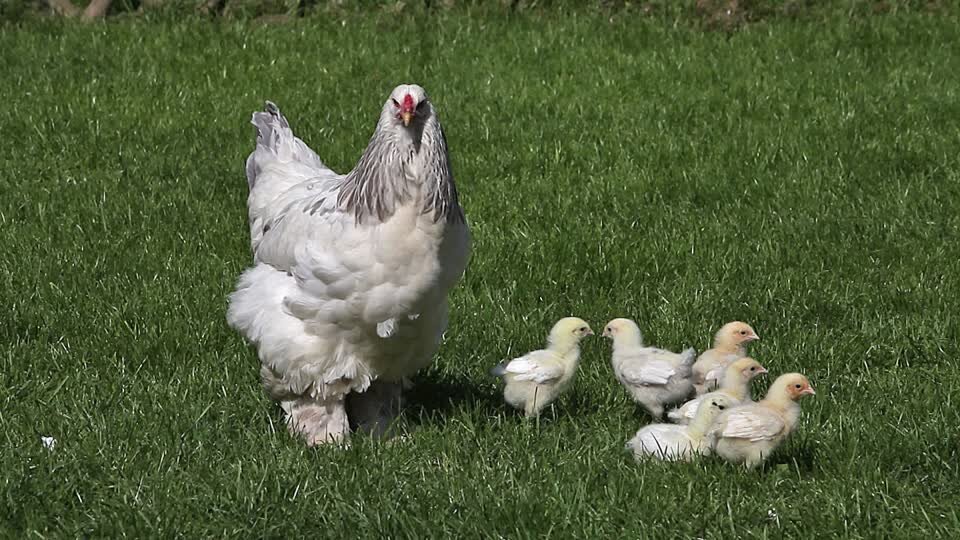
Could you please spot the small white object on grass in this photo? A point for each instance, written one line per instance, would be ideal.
(48, 442)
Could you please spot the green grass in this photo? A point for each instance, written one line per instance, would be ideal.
(803, 176)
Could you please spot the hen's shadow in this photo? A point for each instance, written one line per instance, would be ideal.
(434, 399)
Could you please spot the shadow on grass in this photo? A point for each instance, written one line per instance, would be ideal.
(797, 457)
(433, 399)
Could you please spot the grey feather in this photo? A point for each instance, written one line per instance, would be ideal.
(378, 185)
(688, 357)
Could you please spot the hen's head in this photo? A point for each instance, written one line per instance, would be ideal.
(408, 105)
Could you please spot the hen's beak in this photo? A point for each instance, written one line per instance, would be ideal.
(407, 117)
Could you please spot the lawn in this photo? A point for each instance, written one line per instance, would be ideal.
(802, 175)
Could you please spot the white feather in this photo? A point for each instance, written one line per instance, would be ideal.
(754, 424)
(537, 366)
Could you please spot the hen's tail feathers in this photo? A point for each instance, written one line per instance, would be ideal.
(499, 370)
(275, 140)
(270, 126)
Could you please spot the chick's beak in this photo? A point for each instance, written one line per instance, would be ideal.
(589, 331)
(809, 391)
(753, 337)
(761, 370)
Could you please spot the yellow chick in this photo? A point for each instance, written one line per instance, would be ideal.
(535, 379)
(653, 377)
(749, 433)
(671, 442)
(736, 385)
(729, 344)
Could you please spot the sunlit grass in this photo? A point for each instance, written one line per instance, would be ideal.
(800, 176)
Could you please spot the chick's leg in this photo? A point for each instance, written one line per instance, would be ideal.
(753, 459)
(375, 410)
(318, 421)
(535, 401)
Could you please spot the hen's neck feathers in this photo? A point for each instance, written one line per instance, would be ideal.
(381, 181)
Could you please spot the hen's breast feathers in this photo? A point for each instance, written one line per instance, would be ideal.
(393, 264)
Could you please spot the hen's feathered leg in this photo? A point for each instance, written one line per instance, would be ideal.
(318, 421)
(375, 410)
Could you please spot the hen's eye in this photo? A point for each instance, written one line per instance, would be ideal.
(395, 103)
(721, 407)
(421, 105)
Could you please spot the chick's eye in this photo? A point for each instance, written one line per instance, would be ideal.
(583, 328)
(753, 369)
(797, 386)
(743, 332)
(721, 407)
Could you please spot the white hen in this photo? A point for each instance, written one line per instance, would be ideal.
(348, 295)
(671, 442)
(653, 377)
